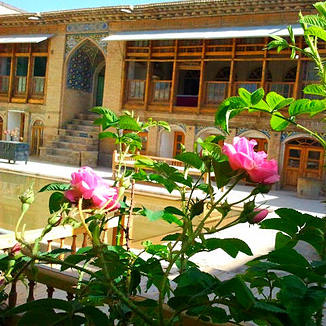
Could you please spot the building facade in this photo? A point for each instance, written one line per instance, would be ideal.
(173, 61)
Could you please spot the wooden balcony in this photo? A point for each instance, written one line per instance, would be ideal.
(161, 91)
(135, 90)
(38, 84)
(20, 84)
(283, 88)
(4, 85)
(215, 92)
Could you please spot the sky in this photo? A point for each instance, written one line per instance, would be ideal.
(50, 5)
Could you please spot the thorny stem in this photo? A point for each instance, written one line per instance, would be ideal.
(127, 230)
(81, 215)
(185, 247)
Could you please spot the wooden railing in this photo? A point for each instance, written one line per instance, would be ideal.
(283, 88)
(38, 86)
(215, 92)
(161, 91)
(20, 85)
(4, 84)
(135, 90)
(130, 162)
(59, 237)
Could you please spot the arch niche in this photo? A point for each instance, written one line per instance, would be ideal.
(85, 67)
(37, 137)
(170, 142)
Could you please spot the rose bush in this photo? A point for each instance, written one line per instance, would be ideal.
(86, 184)
(242, 156)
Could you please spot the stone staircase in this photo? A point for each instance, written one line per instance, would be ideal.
(76, 144)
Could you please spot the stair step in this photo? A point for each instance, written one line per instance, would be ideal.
(83, 122)
(59, 159)
(73, 146)
(78, 133)
(88, 116)
(92, 128)
(78, 140)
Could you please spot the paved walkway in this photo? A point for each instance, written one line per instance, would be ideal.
(260, 241)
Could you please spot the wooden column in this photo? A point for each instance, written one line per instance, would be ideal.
(12, 73)
(297, 83)
(264, 68)
(174, 76)
(231, 79)
(29, 73)
(201, 78)
(148, 78)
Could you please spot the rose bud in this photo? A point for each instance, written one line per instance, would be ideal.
(260, 214)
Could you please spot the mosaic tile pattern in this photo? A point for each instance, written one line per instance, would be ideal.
(74, 39)
(87, 27)
(80, 72)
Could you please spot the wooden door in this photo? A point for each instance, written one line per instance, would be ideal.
(303, 158)
(179, 140)
(37, 137)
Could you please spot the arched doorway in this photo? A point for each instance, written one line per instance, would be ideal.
(84, 87)
(171, 142)
(303, 157)
(37, 137)
(99, 88)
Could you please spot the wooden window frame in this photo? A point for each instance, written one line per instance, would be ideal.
(27, 97)
(231, 53)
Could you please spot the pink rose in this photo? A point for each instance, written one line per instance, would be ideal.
(87, 185)
(243, 157)
(260, 215)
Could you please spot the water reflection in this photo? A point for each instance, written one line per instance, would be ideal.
(11, 186)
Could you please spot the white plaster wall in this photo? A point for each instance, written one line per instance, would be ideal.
(166, 144)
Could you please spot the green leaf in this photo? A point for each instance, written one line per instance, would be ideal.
(128, 123)
(231, 246)
(237, 286)
(314, 20)
(170, 218)
(172, 237)
(56, 186)
(273, 99)
(315, 89)
(173, 210)
(73, 259)
(316, 31)
(292, 38)
(288, 256)
(284, 103)
(191, 159)
(228, 109)
(223, 173)
(55, 201)
(152, 215)
(42, 304)
(283, 240)
(300, 301)
(245, 96)
(257, 96)
(277, 122)
(299, 107)
(95, 316)
(107, 134)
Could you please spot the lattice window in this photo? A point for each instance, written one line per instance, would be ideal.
(305, 142)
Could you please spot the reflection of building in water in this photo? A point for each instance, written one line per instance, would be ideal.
(11, 186)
